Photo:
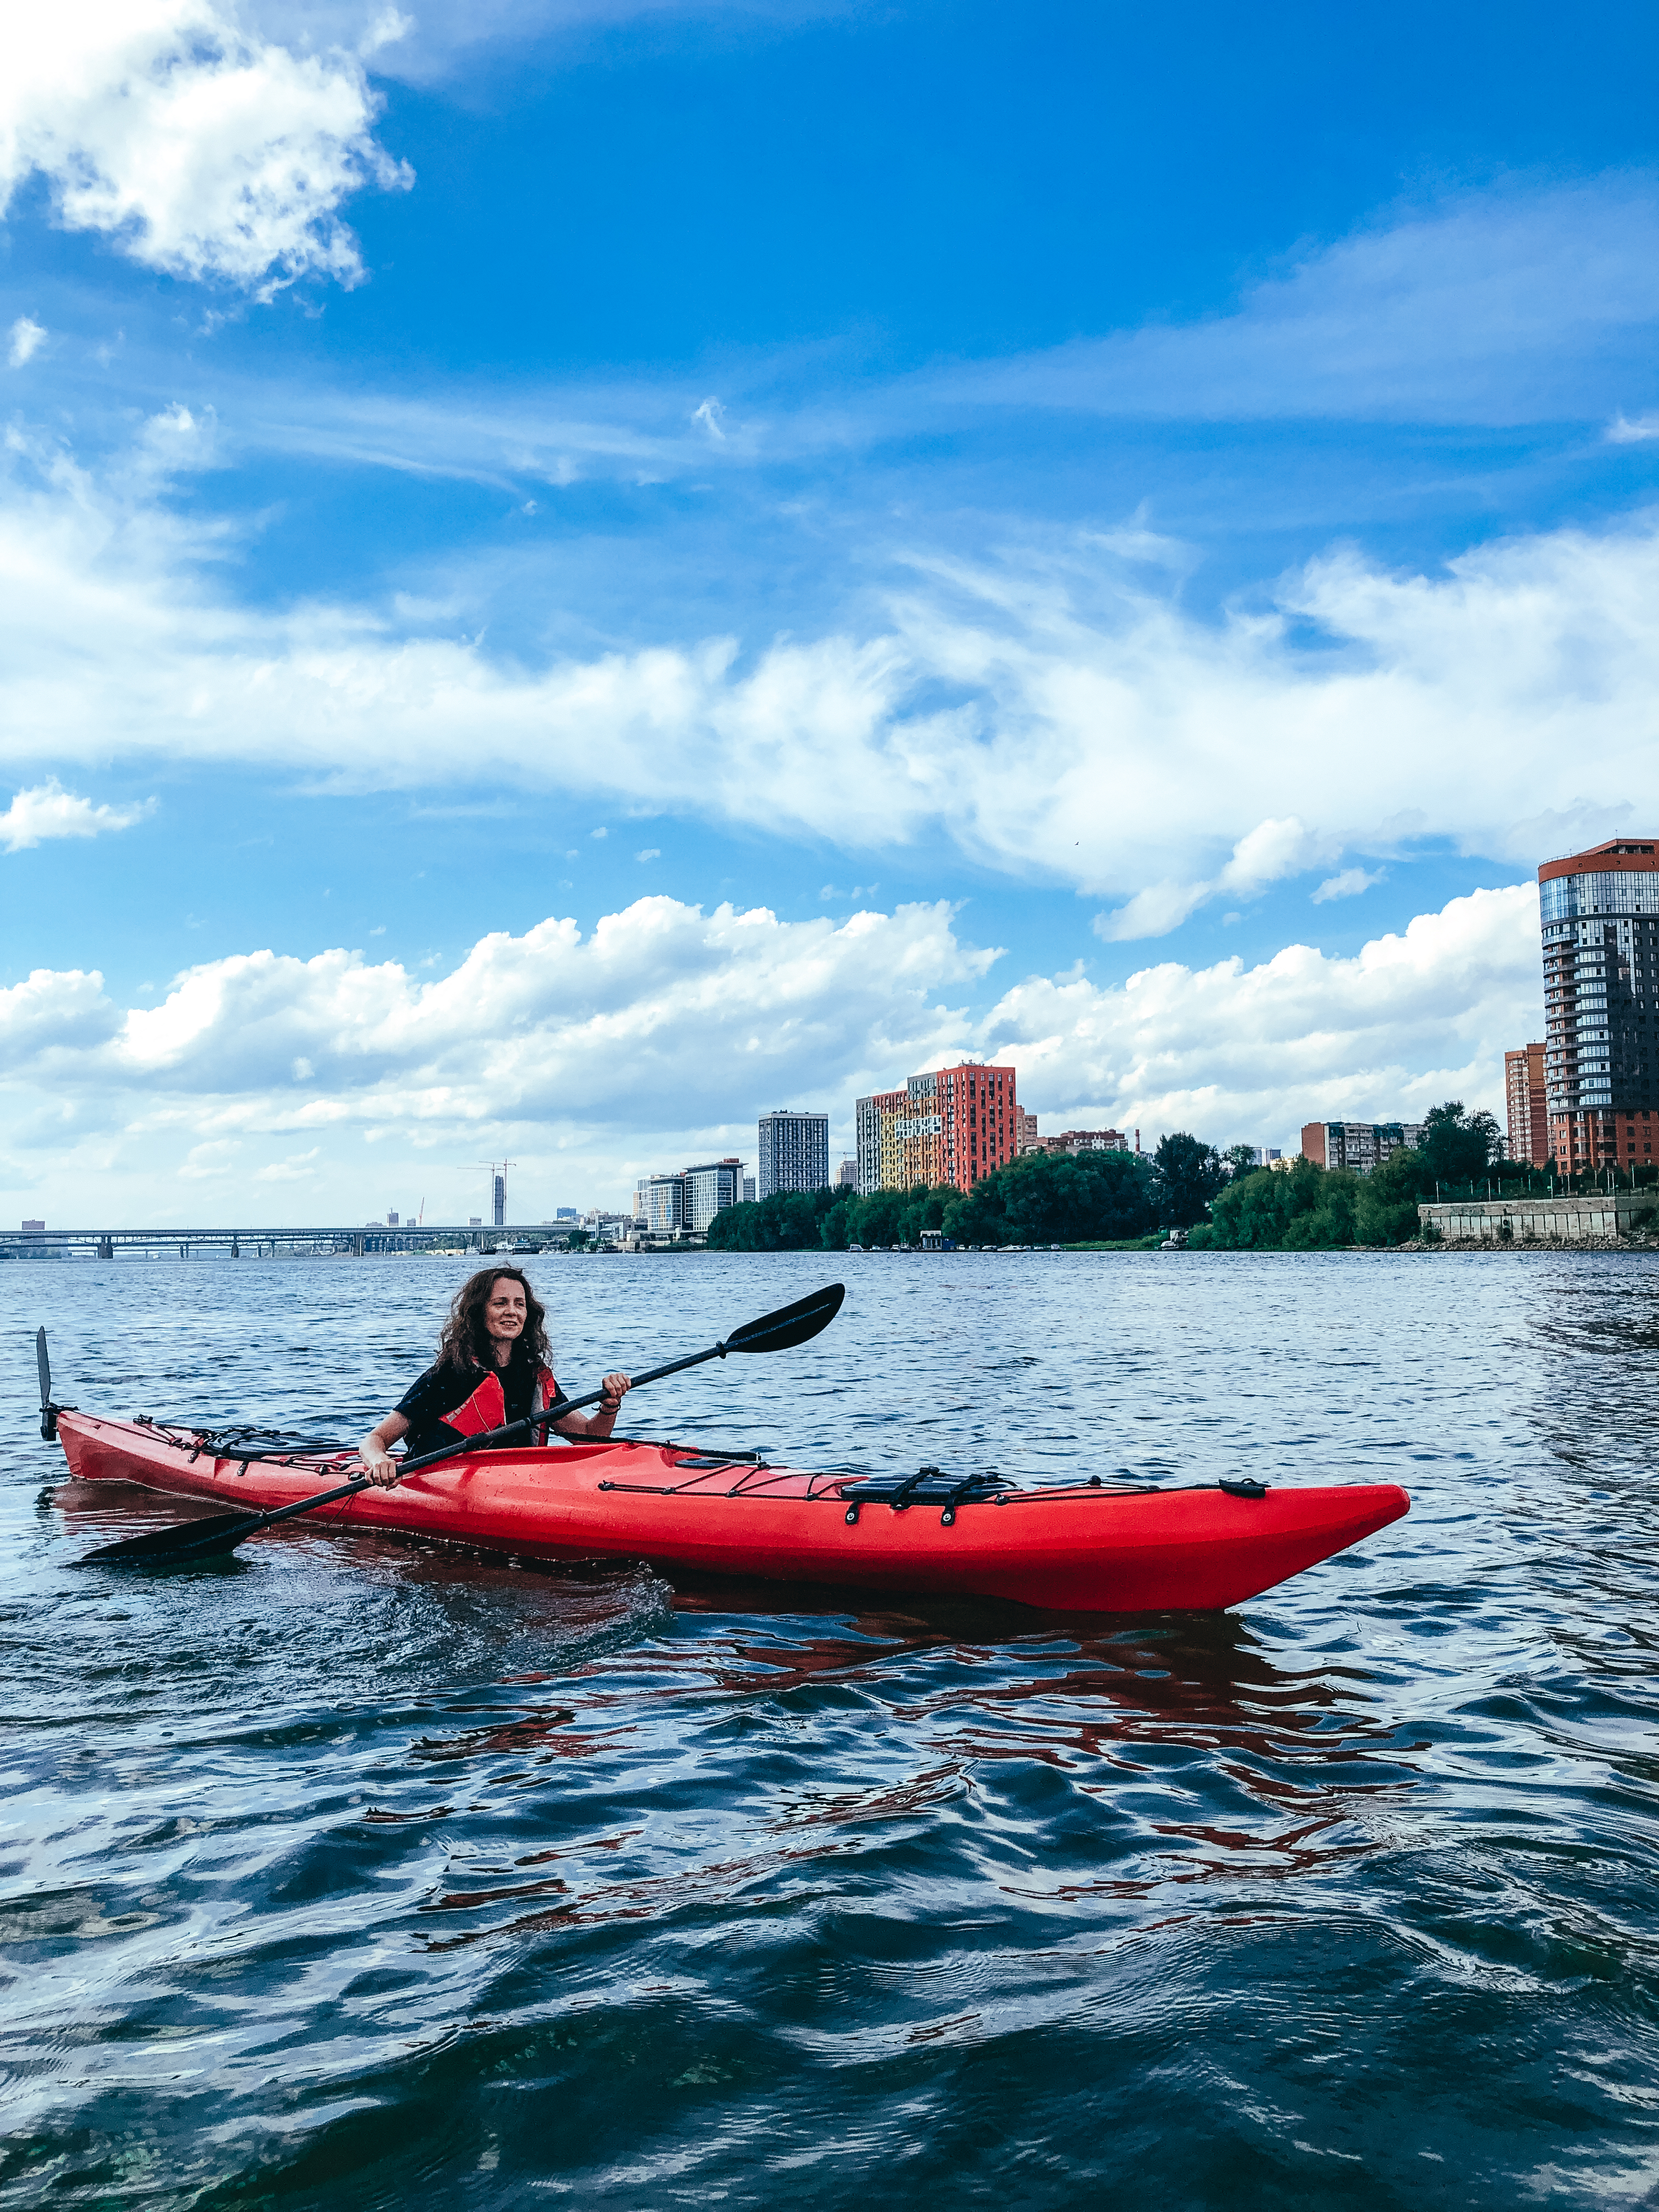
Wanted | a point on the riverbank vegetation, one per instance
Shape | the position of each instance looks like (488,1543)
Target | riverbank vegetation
(1041,1198)
(1037,1199)
(1308,1208)
(1226,1202)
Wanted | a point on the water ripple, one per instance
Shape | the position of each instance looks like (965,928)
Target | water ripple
(360,1871)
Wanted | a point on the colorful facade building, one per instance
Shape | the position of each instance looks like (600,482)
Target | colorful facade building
(876,1142)
(1599,915)
(952,1125)
(1528,1112)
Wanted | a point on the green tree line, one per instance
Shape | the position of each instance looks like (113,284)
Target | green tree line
(1042,1197)
(1308,1209)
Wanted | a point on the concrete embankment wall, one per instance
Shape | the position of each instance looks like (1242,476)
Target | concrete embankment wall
(1603,1219)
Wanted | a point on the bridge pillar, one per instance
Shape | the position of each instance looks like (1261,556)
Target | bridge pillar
(235,1248)
(106,1248)
(357,1246)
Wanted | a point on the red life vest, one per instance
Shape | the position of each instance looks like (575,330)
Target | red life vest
(487,1407)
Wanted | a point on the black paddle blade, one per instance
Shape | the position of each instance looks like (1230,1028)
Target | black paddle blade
(48,1411)
(217,1532)
(790,1325)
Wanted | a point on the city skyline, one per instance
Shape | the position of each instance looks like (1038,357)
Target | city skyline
(575,574)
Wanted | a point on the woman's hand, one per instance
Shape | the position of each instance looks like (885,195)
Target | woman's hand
(378,1465)
(615,1388)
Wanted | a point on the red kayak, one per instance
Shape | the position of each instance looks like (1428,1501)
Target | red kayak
(1082,1546)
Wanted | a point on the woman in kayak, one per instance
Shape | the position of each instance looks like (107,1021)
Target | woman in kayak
(492,1368)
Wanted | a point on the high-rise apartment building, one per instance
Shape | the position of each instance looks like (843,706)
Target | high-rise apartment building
(952,1125)
(794,1152)
(664,1206)
(710,1188)
(1361,1145)
(875,1145)
(1528,1112)
(1599,913)
(691,1199)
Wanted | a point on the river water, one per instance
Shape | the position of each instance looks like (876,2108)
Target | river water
(355,1874)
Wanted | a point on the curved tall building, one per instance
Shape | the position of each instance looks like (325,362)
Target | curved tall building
(1599,913)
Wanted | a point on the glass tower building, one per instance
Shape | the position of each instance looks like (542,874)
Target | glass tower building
(1599,914)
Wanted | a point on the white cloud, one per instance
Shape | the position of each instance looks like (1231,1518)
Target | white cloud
(1623,432)
(1236,1052)
(176,441)
(298,1167)
(568,1050)
(1055,723)
(51,1015)
(27,338)
(1505,307)
(650,852)
(199,148)
(47,810)
(1264,855)
(1348,884)
(553,1045)
(211,1161)
(1153,912)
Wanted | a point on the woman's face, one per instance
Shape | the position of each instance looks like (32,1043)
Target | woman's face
(504,1311)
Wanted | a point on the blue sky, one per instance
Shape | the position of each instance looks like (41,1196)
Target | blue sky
(1113,538)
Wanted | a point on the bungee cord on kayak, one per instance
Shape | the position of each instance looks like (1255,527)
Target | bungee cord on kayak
(239,1441)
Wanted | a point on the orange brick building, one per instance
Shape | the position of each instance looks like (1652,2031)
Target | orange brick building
(952,1125)
(1529,1113)
(1599,913)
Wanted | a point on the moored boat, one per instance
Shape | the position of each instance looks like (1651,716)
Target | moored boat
(1085,1546)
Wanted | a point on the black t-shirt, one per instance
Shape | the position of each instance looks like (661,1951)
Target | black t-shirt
(442,1388)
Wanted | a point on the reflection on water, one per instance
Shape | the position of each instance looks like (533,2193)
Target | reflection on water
(358,1870)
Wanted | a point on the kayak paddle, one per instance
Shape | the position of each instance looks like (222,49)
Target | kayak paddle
(49,1409)
(223,1532)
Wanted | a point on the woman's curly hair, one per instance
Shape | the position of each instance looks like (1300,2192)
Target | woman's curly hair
(466,1341)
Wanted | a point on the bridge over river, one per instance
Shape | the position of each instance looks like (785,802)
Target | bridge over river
(256,1242)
